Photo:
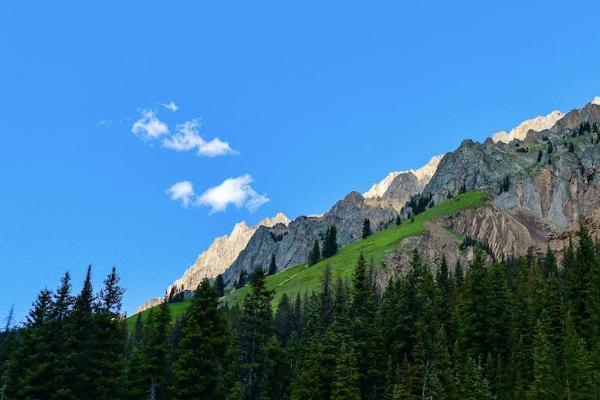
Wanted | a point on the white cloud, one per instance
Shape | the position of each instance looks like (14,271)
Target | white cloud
(182,191)
(236,191)
(188,137)
(149,125)
(216,147)
(170,106)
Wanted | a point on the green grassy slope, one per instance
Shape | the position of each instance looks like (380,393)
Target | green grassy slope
(301,278)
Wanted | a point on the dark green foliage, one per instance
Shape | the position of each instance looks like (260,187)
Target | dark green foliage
(398,220)
(272,266)
(366,231)
(539,156)
(315,254)
(255,334)
(571,147)
(220,285)
(330,242)
(550,148)
(524,328)
(199,369)
(505,184)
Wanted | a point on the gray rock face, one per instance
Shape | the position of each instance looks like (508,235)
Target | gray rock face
(561,188)
(291,245)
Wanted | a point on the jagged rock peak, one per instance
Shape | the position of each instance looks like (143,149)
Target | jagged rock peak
(423,174)
(537,124)
(222,252)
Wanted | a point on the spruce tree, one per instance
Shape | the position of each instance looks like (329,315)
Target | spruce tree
(109,341)
(199,370)
(220,285)
(546,383)
(366,336)
(31,370)
(272,266)
(255,333)
(366,231)
(315,254)
(345,375)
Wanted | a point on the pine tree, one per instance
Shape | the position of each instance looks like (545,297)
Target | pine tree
(459,276)
(366,337)
(398,220)
(345,375)
(546,382)
(109,341)
(220,285)
(474,324)
(315,254)
(199,370)
(31,371)
(81,332)
(149,367)
(255,332)
(580,379)
(549,264)
(366,231)
(330,242)
(272,266)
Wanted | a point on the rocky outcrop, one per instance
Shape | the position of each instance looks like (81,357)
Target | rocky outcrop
(220,255)
(535,124)
(397,187)
(553,173)
(292,245)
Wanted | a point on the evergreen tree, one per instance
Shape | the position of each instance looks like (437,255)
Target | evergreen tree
(366,231)
(546,384)
(345,375)
(220,285)
(109,341)
(31,372)
(330,242)
(149,367)
(398,220)
(549,264)
(81,332)
(255,333)
(272,266)
(315,254)
(199,370)
(459,276)
(580,380)
(366,337)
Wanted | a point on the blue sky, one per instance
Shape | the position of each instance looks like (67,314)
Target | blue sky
(309,100)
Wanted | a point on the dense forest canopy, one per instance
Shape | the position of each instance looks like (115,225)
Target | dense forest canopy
(522,328)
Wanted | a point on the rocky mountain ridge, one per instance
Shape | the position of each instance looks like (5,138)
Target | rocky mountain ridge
(219,256)
(542,176)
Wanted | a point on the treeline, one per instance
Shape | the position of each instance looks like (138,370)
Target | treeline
(517,329)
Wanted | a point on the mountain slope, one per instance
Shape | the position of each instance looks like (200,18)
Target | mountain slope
(219,256)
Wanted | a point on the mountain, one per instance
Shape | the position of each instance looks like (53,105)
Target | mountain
(398,186)
(542,179)
(520,131)
(291,245)
(219,256)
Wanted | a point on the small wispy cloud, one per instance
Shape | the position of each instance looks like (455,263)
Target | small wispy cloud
(170,106)
(187,137)
(233,191)
(182,191)
(149,126)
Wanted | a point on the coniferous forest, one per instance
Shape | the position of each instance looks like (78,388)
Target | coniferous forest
(522,328)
